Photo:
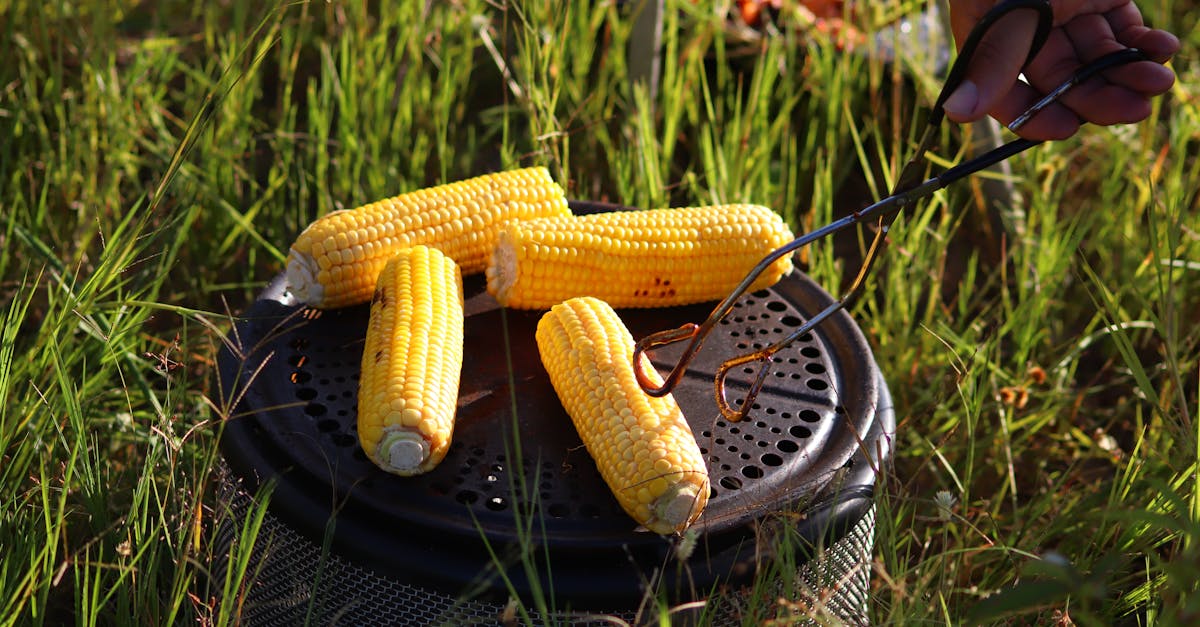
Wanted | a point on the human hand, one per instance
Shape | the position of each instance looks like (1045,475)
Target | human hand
(1083,30)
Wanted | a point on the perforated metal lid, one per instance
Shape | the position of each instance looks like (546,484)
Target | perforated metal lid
(294,372)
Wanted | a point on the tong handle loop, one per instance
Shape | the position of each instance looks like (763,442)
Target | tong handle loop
(689,332)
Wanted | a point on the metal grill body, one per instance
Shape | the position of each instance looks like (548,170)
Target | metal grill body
(806,459)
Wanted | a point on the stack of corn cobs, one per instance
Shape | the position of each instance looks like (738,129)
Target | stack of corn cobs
(407,256)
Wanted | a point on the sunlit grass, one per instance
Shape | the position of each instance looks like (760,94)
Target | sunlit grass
(157,161)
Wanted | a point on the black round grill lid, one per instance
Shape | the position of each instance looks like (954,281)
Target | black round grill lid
(293,373)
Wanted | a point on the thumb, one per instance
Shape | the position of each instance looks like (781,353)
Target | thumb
(994,67)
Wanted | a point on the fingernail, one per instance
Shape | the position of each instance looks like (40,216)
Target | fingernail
(962,101)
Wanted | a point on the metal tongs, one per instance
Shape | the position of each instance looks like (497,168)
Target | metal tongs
(910,188)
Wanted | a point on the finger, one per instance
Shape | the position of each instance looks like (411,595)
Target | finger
(993,68)
(1158,45)
(1129,29)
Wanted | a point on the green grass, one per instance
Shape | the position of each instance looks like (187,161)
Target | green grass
(156,161)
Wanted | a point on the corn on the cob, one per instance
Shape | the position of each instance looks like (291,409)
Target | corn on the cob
(412,361)
(654,258)
(642,445)
(335,261)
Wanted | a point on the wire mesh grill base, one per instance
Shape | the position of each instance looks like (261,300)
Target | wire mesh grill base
(291,581)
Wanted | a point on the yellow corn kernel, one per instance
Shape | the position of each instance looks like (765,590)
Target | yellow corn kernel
(642,445)
(335,261)
(654,258)
(411,363)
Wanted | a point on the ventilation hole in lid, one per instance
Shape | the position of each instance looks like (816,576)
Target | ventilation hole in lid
(306,394)
(726,467)
(731,483)
(810,352)
(298,343)
(752,472)
(776,305)
(739,319)
(744,456)
(733,449)
(762,294)
(814,368)
(798,431)
(719,441)
(762,425)
(776,430)
(497,504)
(817,384)
(343,413)
(466,497)
(809,415)
(787,446)
(771,459)
(332,398)
(300,377)
(314,409)
(558,510)
(791,321)
(587,510)
(328,425)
